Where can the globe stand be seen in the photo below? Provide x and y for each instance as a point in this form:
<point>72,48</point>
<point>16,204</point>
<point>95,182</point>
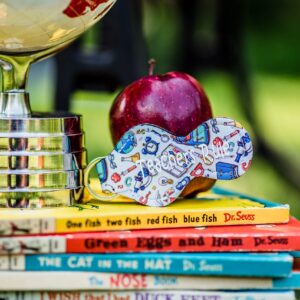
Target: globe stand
<point>14,104</point>
<point>42,156</point>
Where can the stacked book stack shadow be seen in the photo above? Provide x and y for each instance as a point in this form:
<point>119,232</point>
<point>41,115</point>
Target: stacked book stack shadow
<point>219,245</point>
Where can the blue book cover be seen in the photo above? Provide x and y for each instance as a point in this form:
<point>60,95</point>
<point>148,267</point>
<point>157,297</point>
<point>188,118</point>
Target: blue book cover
<point>291,282</point>
<point>223,264</point>
<point>296,254</point>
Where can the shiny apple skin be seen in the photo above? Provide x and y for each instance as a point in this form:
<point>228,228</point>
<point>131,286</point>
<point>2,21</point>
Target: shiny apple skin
<point>174,101</point>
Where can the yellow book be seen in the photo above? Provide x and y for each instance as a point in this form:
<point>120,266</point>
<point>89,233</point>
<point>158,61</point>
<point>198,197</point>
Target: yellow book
<point>217,207</point>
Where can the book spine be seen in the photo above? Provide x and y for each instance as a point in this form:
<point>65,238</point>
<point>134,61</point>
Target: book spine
<point>180,219</point>
<point>177,242</point>
<point>239,264</point>
<point>146,295</point>
<point>27,226</point>
<point>33,244</point>
<point>87,281</point>
<point>148,241</point>
<point>161,219</point>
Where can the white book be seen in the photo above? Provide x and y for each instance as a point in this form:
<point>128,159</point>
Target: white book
<point>69,281</point>
<point>150,295</point>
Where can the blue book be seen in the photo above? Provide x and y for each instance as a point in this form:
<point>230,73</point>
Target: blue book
<point>296,254</point>
<point>223,264</point>
<point>291,282</point>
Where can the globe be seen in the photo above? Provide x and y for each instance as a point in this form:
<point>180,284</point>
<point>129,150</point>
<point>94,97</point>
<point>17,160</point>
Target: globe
<point>29,26</point>
<point>31,30</point>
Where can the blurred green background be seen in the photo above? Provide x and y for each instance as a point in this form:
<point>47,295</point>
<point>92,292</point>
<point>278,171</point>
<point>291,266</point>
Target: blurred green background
<point>271,47</point>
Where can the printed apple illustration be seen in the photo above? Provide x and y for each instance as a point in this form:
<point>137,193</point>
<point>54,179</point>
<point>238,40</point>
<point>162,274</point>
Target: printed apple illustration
<point>174,101</point>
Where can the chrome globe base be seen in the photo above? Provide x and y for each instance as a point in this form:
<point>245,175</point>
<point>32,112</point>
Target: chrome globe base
<point>42,160</point>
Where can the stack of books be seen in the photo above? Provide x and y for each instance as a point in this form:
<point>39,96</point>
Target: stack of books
<point>217,246</point>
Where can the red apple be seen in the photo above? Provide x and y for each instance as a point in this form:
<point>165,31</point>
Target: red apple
<point>174,101</point>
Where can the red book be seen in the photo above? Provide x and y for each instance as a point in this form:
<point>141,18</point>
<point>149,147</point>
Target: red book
<point>279,237</point>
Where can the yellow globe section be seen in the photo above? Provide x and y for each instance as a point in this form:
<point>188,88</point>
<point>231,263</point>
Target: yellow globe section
<point>33,25</point>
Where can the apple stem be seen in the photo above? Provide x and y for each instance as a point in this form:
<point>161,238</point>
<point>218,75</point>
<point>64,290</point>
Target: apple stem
<point>151,63</point>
